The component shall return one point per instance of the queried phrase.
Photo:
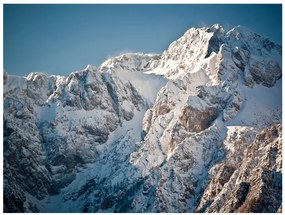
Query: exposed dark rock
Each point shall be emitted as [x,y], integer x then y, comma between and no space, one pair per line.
[5,77]
[162,109]
[265,72]
[225,173]
[195,120]
[241,193]
[215,41]
[13,200]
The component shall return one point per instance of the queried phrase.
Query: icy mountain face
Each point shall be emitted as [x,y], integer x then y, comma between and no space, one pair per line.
[176,132]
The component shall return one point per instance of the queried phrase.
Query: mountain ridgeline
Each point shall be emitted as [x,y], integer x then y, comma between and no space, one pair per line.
[194,129]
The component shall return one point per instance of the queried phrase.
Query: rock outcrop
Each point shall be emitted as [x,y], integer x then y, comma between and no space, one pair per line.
[250,184]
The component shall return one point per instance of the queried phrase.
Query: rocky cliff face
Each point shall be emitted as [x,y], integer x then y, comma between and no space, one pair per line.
[53,124]
[248,184]
[195,129]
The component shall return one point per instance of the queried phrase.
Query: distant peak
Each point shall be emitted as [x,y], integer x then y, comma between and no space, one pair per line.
[90,67]
[34,75]
[245,31]
[216,27]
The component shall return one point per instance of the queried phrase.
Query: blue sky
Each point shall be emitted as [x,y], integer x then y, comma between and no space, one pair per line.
[60,39]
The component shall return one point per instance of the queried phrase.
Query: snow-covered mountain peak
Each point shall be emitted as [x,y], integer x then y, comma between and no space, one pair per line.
[90,67]
[131,61]
[171,132]
[199,47]
[253,42]
[36,75]
[216,27]
[185,55]
[242,32]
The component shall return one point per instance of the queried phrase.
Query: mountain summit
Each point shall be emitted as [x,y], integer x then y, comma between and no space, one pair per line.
[194,129]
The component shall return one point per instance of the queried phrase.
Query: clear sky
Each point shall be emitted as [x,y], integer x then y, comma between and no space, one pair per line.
[60,39]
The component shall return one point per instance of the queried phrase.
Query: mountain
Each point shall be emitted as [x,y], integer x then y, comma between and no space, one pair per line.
[194,129]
